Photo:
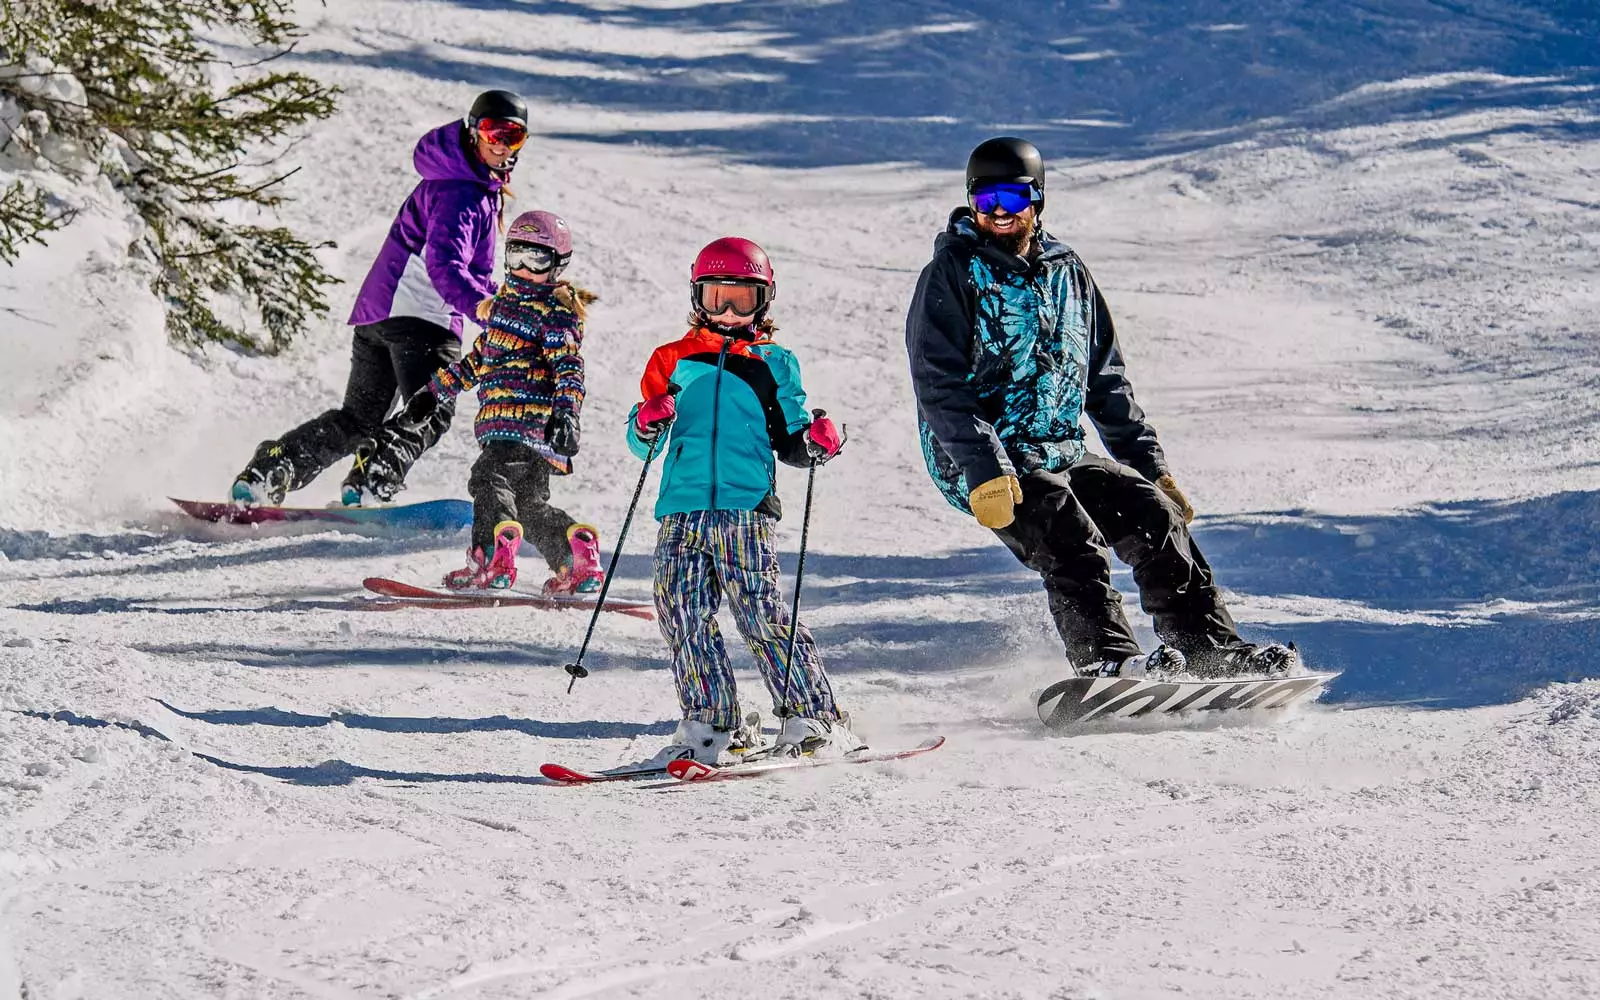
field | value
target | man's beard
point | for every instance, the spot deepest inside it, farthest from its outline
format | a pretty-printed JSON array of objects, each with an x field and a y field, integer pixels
[{"x": 1018, "y": 241}]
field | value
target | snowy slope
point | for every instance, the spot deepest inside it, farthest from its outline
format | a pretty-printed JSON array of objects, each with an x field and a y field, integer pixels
[{"x": 1352, "y": 256}]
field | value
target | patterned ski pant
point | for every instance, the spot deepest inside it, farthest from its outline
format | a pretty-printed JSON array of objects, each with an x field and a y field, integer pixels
[{"x": 699, "y": 556}]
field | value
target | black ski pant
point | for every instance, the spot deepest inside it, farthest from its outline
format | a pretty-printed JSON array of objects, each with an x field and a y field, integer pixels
[
  {"x": 511, "y": 482},
  {"x": 1063, "y": 528},
  {"x": 397, "y": 354}
]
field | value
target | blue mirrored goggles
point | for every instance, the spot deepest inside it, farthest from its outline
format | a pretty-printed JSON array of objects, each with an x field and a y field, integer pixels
[{"x": 986, "y": 198}]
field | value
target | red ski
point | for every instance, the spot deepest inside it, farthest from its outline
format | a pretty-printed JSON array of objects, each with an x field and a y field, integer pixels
[
  {"x": 691, "y": 770},
  {"x": 427, "y": 597},
  {"x": 567, "y": 776}
]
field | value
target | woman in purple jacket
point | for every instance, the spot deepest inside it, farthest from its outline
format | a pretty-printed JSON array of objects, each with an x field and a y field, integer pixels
[{"x": 435, "y": 268}]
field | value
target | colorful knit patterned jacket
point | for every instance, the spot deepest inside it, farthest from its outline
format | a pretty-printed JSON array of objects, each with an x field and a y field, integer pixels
[{"x": 526, "y": 363}]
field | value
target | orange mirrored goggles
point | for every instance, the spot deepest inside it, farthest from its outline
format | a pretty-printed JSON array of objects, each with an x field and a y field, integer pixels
[
  {"x": 503, "y": 132},
  {"x": 743, "y": 297}
]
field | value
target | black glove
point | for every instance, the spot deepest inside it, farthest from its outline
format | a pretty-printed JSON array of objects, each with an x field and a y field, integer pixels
[
  {"x": 561, "y": 432},
  {"x": 420, "y": 408}
]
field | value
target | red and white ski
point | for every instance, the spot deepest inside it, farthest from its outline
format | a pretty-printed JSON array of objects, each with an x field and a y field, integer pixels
[
  {"x": 692, "y": 770},
  {"x": 567, "y": 776},
  {"x": 571, "y": 776},
  {"x": 408, "y": 594}
]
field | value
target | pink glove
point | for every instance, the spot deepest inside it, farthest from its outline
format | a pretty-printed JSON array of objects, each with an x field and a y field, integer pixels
[
  {"x": 823, "y": 439},
  {"x": 654, "y": 414}
]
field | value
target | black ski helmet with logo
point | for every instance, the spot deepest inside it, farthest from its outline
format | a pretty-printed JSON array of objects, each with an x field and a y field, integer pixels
[{"x": 1007, "y": 159}]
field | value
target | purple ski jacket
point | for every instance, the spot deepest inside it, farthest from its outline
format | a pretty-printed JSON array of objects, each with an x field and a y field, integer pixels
[{"x": 437, "y": 263}]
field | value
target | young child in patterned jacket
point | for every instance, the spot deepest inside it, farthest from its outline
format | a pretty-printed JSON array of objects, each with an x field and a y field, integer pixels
[
  {"x": 717, "y": 405},
  {"x": 528, "y": 370}
]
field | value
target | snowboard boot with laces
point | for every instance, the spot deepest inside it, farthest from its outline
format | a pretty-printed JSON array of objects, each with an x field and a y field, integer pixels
[
  {"x": 583, "y": 574},
  {"x": 496, "y": 571},
  {"x": 265, "y": 481},
  {"x": 374, "y": 477},
  {"x": 1163, "y": 661},
  {"x": 817, "y": 737},
  {"x": 1272, "y": 659}
]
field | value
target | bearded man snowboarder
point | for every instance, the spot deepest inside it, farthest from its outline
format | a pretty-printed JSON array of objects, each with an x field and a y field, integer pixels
[{"x": 1010, "y": 344}]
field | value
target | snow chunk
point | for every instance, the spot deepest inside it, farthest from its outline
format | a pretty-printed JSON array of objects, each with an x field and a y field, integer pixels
[{"x": 1577, "y": 705}]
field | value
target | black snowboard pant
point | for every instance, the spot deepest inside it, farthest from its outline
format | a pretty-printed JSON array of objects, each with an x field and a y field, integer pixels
[
  {"x": 511, "y": 482},
  {"x": 1063, "y": 527},
  {"x": 397, "y": 354}
]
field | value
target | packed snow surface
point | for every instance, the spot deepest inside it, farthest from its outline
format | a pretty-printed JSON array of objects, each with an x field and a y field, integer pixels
[{"x": 1352, "y": 255}]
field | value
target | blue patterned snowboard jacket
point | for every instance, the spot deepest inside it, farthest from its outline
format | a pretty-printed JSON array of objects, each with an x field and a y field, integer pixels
[{"x": 1006, "y": 355}]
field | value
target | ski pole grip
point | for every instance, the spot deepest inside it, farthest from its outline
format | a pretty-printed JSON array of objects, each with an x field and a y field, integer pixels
[{"x": 844, "y": 429}]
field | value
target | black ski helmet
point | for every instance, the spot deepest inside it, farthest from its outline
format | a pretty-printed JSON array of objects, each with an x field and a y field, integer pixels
[
  {"x": 1007, "y": 159},
  {"x": 502, "y": 104}
]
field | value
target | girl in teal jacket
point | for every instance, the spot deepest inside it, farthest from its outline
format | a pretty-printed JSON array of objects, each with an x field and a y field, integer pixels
[{"x": 718, "y": 405}]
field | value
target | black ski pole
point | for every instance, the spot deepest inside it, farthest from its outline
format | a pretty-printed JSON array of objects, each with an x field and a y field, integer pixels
[
  {"x": 800, "y": 573},
  {"x": 576, "y": 668}
]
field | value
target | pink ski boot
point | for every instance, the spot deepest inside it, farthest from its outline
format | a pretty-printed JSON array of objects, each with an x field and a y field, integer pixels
[
  {"x": 583, "y": 575},
  {"x": 499, "y": 571}
]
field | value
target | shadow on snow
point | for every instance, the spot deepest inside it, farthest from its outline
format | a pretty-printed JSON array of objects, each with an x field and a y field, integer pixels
[
  {"x": 330, "y": 772},
  {"x": 1494, "y": 598},
  {"x": 432, "y": 726},
  {"x": 1508, "y": 593}
]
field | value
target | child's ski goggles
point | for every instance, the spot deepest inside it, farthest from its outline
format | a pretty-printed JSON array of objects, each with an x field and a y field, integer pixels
[
  {"x": 530, "y": 257},
  {"x": 745, "y": 298},
  {"x": 503, "y": 132},
  {"x": 1013, "y": 198}
]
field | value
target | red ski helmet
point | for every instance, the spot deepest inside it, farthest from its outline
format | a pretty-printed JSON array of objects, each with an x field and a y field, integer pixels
[{"x": 732, "y": 260}]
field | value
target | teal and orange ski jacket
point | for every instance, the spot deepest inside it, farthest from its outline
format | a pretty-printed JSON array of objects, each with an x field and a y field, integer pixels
[{"x": 739, "y": 402}]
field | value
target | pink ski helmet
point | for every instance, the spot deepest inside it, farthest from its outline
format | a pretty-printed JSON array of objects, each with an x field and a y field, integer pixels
[
  {"x": 542, "y": 229},
  {"x": 732, "y": 271},
  {"x": 733, "y": 257}
]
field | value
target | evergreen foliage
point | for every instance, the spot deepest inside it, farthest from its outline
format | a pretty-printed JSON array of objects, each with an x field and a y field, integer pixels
[{"x": 138, "y": 90}]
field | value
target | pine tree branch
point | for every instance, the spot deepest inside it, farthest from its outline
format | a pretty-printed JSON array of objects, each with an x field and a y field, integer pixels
[{"x": 177, "y": 147}]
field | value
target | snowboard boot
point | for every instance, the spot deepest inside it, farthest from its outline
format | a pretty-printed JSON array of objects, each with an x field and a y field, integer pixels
[
  {"x": 374, "y": 477},
  {"x": 1163, "y": 661},
  {"x": 693, "y": 740},
  {"x": 1272, "y": 659},
  {"x": 817, "y": 737},
  {"x": 582, "y": 575},
  {"x": 496, "y": 571},
  {"x": 265, "y": 481}
]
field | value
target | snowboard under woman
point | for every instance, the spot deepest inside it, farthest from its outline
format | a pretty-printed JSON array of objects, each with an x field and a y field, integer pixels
[
  {"x": 528, "y": 370},
  {"x": 718, "y": 404}
]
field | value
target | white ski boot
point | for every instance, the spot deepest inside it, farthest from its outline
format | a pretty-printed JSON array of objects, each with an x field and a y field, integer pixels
[
  {"x": 697, "y": 741},
  {"x": 817, "y": 737}
]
